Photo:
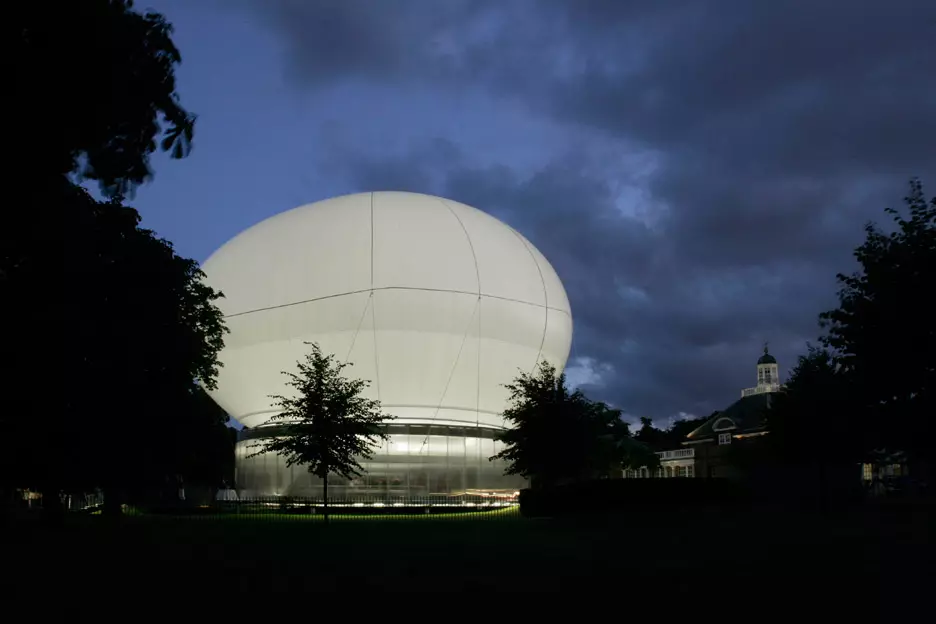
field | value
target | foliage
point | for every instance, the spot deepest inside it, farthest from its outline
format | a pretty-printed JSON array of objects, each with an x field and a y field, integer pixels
[
  {"x": 883, "y": 333},
  {"x": 93, "y": 91},
  {"x": 669, "y": 438},
  {"x": 870, "y": 385},
  {"x": 327, "y": 426},
  {"x": 205, "y": 444},
  {"x": 133, "y": 330},
  {"x": 810, "y": 418},
  {"x": 559, "y": 436},
  {"x": 108, "y": 331},
  {"x": 680, "y": 429},
  {"x": 612, "y": 446},
  {"x": 651, "y": 436}
]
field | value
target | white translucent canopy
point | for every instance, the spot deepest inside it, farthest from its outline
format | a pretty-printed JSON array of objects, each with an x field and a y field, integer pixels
[{"x": 437, "y": 303}]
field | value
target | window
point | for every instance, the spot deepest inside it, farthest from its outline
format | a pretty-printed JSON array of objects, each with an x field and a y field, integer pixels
[
  {"x": 724, "y": 438},
  {"x": 723, "y": 424},
  {"x": 690, "y": 471}
]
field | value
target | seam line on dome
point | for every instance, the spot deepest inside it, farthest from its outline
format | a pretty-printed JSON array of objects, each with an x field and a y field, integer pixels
[
  {"x": 474, "y": 256},
  {"x": 373, "y": 301},
  {"x": 539, "y": 270},
  {"x": 360, "y": 323},
  {"x": 368, "y": 290},
  {"x": 448, "y": 381},
  {"x": 454, "y": 408},
  {"x": 478, "y": 369},
  {"x": 478, "y": 278}
]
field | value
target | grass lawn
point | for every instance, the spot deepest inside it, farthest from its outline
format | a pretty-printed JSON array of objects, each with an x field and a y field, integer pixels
[{"x": 845, "y": 559}]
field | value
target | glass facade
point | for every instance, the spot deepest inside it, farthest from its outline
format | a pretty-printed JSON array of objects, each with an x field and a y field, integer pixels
[{"x": 416, "y": 462}]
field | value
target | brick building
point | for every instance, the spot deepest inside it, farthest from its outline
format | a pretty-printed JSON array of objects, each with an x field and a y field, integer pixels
[{"x": 711, "y": 449}]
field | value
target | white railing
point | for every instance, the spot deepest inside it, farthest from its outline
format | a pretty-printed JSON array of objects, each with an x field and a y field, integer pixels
[
  {"x": 677, "y": 454},
  {"x": 760, "y": 389}
]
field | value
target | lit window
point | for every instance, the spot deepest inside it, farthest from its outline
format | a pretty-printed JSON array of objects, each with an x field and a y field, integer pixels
[{"x": 724, "y": 438}]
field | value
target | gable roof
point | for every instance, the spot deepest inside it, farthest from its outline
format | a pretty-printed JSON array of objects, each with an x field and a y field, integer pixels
[{"x": 746, "y": 415}]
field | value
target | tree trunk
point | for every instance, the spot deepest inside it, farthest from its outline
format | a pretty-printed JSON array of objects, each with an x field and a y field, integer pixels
[{"x": 325, "y": 497}]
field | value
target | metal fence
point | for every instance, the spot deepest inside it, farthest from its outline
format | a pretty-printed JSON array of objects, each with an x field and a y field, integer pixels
[
  {"x": 227, "y": 505},
  {"x": 360, "y": 508}
]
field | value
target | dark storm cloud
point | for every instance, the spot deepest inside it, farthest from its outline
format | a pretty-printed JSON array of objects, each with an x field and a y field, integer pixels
[
  {"x": 775, "y": 130},
  {"x": 769, "y": 114},
  {"x": 328, "y": 41}
]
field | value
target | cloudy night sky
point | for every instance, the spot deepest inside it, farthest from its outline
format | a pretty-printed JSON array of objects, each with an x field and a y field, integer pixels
[{"x": 696, "y": 171}]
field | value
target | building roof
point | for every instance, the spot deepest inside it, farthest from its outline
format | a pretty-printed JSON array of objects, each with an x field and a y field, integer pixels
[
  {"x": 746, "y": 415},
  {"x": 766, "y": 358}
]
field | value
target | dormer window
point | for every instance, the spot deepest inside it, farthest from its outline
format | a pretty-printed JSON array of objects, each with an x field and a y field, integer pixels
[{"x": 723, "y": 424}]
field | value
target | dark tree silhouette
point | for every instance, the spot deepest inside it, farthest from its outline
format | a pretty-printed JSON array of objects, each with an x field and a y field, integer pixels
[
  {"x": 608, "y": 445},
  {"x": 92, "y": 92},
  {"x": 677, "y": 432},
  {"x": 817, "y": 434},
  {"x": 105, "y": 329},
  {"x": 203, "y": 447},
  {"x": 327, "y": 426},
  {"x": 651, "y": 436},
  {"x": 141, "y": 333},
  {"x": 883, "y": 333},
  {"x": 558, "y": 435},
  {"x": 670, "y": 438},
  {"x": 809, "y": 420}
]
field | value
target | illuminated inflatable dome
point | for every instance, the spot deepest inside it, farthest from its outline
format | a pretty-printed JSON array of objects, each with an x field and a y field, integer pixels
[{"x": 437, "y": 303}]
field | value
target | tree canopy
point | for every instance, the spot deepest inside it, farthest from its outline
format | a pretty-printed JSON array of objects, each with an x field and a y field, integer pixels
[
  {"x": 326, "y": 425},
  {"x": 93, "y": 92},
  {"x": 108, "y": 333},
  {"x": 136, "y": 332},
  {"x": 670, "y": 438},
  {"x": 811, "y": 418},
  {"x": 869, "y": 386},
  {"x": 882, "y": 333},
  {"x": 204, "y": 445},
  {"x": 558, "y": 435}
]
